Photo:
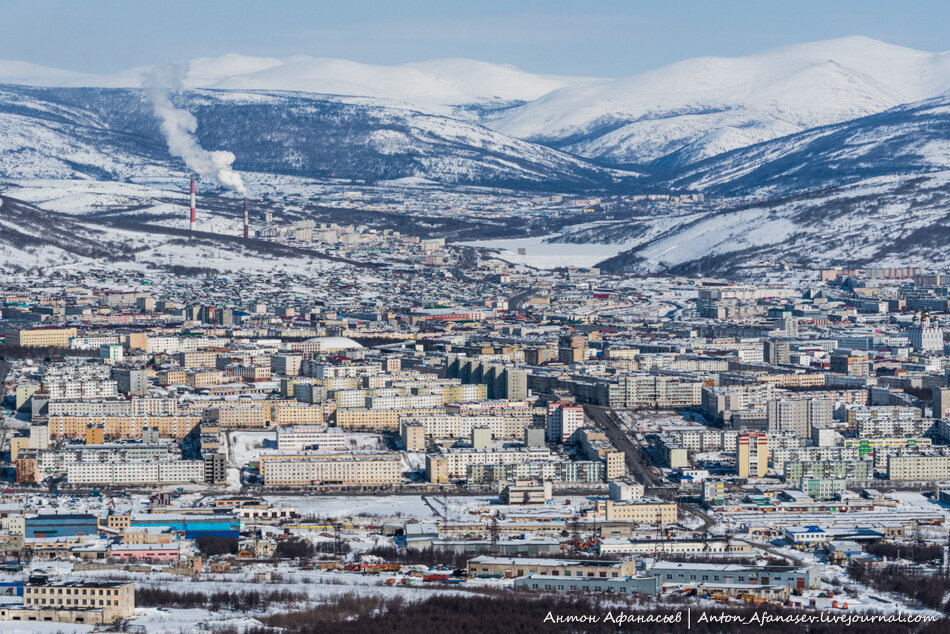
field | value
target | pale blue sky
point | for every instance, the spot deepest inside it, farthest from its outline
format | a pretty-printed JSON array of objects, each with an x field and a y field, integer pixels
[{"x": 610, "y": 38}]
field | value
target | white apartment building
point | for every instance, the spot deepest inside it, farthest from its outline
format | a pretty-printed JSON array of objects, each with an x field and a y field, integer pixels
[
  {"x": 457, "y": 426},
  {"x": 655, "y": 390},
  {"x": 414, "y": 401},
  {"x": 458, "y": 460},
  {"x": 781, "y": 455},
  {"x": 116, "y": 407},
  {"x": 301, "y": 437},
  {"x": 345, "y": 469},
  {"x": 129, "y": 473},
  {"x": 562, "y": 421},
  {"x": 80, "y": 389},
  {"x": 717, "y": 401},
  {"x": 327, "y": 371}
]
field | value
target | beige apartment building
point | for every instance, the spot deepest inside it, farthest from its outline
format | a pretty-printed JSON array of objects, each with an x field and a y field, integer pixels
[
  {"x": 752, "y": 455},
  {"x": 238, "y": 416},
  {"x": 61, "y": 426},
  {"x": 172, "y": 377},
  {"x": 266, "y": 414},
  {"x": 413, "y": 436},
  {"x": 639, "y": 512},
  {"x": 378, "y": 419},
  {"x": 204, "y": 378},
  {"x": 81, "y": 602},
  {"x": 930, "y": 468},
  {"x": 40, "y": 337},
  {"x": 344, "y": 468},
  {"x": 284, "y": 414}
]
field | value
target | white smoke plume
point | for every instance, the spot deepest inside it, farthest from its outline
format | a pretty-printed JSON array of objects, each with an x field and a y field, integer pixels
[{"x": 179, "y": 127}]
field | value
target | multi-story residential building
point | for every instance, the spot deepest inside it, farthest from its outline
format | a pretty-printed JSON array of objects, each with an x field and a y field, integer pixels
[
  {"x": 64, "y": 390},
  {"x": 77, "y": 602},
  {"x": 40, "y": 337},
  {"x": 363, "y": 419},
  {"x": 562, "y": 421},
  {"x": 141, "y": 473},
  {"x": 920, "y": 468},
  {"x": 852, "y": 470},
  {"x": 781, "y": 455},
  {"x": 130, "y": 381},
  {"x": 752, "y": 455},
  {"x": 118, "y": 407},
  {"x": 851, "y": 364},
  {"x": 122, "y": 427},
  {"x": 656, "y": 391},
  {"x": 453, "y": 463},
  {"x": 349, "y": 469},
  {"x": 719, "y": 402},
  {"x": 286, "y": 364},
  {"x": 798, "y": 416},
  {"x": 304, "y": 437},
  {"x": 457, "y": 426}
]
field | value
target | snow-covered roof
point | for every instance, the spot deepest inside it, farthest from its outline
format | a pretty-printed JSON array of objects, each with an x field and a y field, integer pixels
[{"x": 335, "y": 343}]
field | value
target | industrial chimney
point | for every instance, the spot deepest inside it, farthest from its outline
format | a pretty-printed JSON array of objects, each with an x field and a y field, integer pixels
[
  {"x": 194, "y": 215},
  {"x": 247, "y": 232}
]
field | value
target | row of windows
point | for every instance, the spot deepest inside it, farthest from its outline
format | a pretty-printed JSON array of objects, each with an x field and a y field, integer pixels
[
  {"x": 567, "y": 573},
  {"x": 76, "y": 591},
  {"x": 595, "y": 588},
  {"x": 741, "y": 579},
  {"x": 75, "y": 602}
]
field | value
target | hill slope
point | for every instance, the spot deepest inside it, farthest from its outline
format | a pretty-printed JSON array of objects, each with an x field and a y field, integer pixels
[{"x": 110, "y": 134}]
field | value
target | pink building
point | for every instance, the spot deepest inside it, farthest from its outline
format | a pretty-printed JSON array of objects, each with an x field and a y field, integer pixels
[{"x": 149, "y": 552}]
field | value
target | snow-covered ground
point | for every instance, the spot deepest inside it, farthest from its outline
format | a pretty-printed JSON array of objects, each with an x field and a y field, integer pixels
[{"x": 542, "y": 254}]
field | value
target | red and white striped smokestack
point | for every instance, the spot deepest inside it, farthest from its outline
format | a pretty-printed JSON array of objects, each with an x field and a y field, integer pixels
[
  {"x": 247, "y": 231},
  {"x": 194, "y": 214}
]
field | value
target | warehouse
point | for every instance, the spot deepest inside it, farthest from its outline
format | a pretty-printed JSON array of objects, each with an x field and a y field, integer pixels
[
  {"x": 718, "y": 574},
  {"x": 619, "y": 585},
  {"x": 509, "y": 567}
]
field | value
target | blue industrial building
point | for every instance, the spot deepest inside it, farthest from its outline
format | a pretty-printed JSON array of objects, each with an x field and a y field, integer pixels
[
  {"x": 193, "y": 526},
  {"x": 65, "y": 525}
]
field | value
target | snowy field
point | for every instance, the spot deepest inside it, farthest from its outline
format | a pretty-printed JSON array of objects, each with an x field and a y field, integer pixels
[{"x": 548, "y": 255}]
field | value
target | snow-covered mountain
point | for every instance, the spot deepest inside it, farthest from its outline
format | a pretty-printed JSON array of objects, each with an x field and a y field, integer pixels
[
  {"x": 843, "y": 145},
  {"x": 671, "y": 116},
  {"x": 702, "y": 107},
  {"x": 442, "y": 82},
  {"x": 873, "y": 189},
  {"x": 111, "y": 134},
  {"x": 909, "y": 139}
]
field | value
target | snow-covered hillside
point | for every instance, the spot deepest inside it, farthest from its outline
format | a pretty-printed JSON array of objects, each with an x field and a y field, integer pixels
[
  {"x": 913, "y": 138},
  {"x": 32, "y": 238},
  {"x": 111, "y": 134},
  {"x": 705, "y": 106},
  {"x": 897, "y": 220}
]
